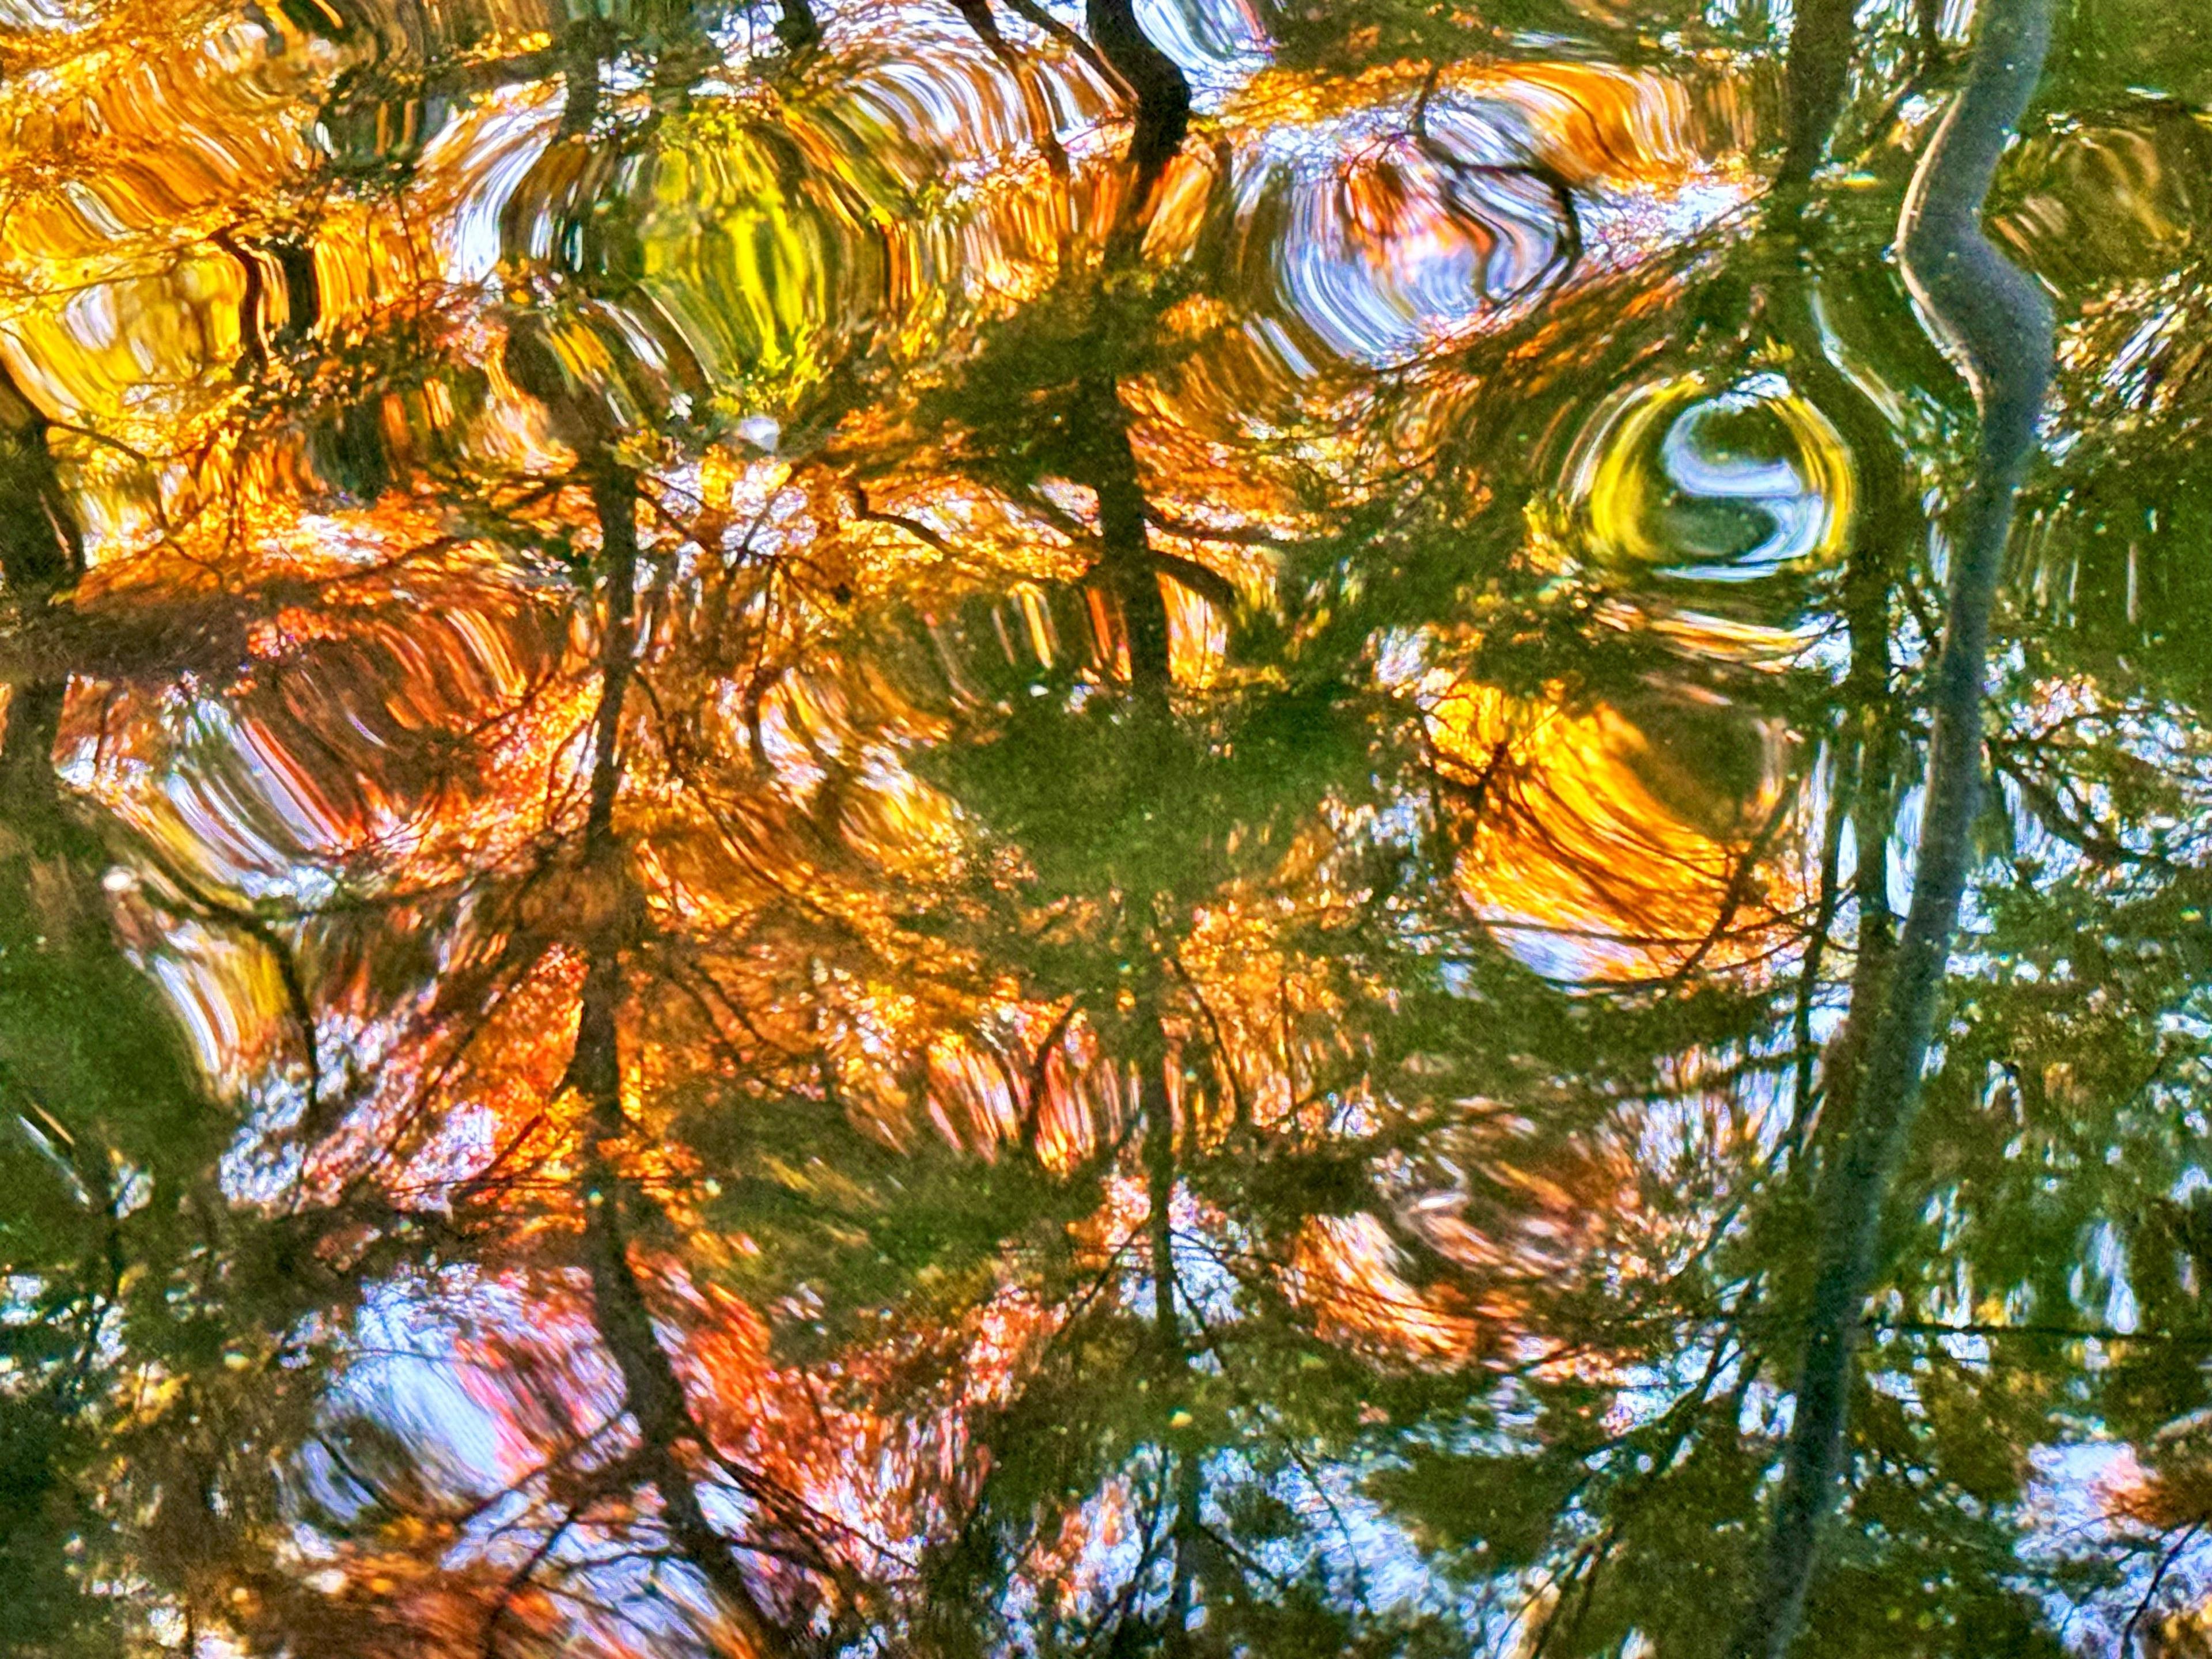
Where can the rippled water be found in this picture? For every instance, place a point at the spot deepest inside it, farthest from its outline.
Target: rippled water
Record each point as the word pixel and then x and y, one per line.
pixel 950 830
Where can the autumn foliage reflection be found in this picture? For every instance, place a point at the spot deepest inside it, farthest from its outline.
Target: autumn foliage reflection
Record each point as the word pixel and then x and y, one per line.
pixel 911 848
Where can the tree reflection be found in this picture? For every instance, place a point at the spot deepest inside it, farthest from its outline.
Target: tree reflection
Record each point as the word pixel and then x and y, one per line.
pixel 960 831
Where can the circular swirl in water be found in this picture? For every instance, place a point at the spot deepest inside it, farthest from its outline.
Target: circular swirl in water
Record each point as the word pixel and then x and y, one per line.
pixel 1724 501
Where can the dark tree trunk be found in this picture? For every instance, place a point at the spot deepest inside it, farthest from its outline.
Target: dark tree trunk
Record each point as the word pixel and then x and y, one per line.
pixel 797 27
pixel 1998 326
pixel 1162 96
pixel 653 1394
pixel 1820 71
pixel 41 548
pixel 585 45
pixel 1127 570
pixel 1889 521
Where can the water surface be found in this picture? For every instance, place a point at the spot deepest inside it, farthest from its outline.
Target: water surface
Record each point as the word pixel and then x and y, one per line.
pixel 920 829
